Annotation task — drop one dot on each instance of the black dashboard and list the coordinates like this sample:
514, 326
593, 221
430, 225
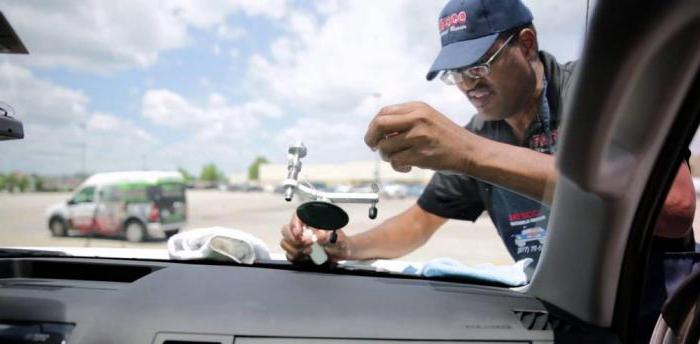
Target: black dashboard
130, 301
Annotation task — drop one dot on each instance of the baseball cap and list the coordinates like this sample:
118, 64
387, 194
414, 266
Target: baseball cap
469, 27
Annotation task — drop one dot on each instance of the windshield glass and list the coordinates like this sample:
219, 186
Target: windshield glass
147, 119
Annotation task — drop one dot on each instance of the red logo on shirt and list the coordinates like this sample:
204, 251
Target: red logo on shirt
543, 140
524, 215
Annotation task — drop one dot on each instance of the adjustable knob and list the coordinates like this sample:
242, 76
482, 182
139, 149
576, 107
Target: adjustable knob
373, 212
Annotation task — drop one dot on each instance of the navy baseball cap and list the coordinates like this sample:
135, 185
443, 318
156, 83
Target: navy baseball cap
469, 27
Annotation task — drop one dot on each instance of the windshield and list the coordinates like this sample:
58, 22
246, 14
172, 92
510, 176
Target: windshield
215, 94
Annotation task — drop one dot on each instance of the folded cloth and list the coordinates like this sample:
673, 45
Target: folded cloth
219, 243
510, 275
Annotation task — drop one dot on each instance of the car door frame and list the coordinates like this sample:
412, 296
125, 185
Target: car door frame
638, 100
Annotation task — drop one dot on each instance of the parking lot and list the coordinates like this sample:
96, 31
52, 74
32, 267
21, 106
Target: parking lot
23, 223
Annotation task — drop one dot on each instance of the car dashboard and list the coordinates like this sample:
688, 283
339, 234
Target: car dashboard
89, 300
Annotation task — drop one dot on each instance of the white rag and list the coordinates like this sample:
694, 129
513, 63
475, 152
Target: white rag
218, 243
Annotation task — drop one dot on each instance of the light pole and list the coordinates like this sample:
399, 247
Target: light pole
377, 161
83, 127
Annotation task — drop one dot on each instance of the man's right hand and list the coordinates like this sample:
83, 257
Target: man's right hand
297, 246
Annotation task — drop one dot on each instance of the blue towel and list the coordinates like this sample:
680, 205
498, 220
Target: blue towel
510, 275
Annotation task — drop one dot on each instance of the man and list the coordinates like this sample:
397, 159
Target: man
502, 163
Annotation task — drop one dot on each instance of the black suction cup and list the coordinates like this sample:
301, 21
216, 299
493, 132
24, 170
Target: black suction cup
322, 215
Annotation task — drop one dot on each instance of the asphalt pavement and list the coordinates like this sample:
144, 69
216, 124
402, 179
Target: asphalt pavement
23, 223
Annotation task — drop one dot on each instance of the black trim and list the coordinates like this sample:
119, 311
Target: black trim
636, 256
682, 303
9, 41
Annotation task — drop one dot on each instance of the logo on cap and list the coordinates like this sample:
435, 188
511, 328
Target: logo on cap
453, 22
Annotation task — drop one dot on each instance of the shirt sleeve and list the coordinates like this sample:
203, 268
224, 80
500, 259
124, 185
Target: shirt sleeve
453, 196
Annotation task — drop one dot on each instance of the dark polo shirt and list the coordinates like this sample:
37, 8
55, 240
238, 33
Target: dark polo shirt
521, 222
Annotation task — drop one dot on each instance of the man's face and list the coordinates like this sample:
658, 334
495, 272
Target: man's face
509, 87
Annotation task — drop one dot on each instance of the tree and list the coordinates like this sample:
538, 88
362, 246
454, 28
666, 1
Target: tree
10, 182
254, 168
23, 183
38, 182
210, 173
185, 175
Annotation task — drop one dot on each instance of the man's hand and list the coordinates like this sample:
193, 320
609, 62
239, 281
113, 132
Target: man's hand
340, 250
415, 134
298, 246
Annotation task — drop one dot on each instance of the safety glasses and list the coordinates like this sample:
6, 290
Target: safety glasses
456, 76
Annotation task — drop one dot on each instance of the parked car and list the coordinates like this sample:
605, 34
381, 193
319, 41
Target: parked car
342, 188
394, 191
135, 205
365, 187
415, 190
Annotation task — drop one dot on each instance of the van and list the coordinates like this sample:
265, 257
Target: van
134, 205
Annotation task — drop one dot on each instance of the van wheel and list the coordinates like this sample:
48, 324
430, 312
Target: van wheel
170, 233
134, 231
58, 228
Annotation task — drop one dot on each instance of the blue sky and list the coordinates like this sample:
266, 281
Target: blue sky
161, 84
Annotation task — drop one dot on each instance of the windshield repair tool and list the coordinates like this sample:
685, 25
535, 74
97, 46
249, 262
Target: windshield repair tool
322, 212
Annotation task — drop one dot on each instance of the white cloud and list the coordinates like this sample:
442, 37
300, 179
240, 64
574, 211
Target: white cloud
103, 143
262, 108
38, 100
102, 123
167, 108
97, 36
325, 70
341, 140
60, 130
234, 53
228, 33
560, 26
329, 69
216, 120
103, 36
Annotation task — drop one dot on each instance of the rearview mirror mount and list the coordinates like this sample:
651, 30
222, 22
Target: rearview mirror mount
10, 127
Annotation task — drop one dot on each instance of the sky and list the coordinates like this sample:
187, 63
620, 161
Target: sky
127, 85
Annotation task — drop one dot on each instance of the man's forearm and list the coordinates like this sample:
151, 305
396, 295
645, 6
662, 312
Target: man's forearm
384, 242
676, 217
519, 169
396, 236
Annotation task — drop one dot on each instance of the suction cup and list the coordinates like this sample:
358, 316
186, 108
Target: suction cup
322, 215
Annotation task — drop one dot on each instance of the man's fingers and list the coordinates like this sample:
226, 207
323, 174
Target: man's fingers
334, 252
400, 145
383, 126
293, 245
323, 237
397, 109
403, 160
393, 144
296, 227
401, 168
289, 236
297, 259
295, 251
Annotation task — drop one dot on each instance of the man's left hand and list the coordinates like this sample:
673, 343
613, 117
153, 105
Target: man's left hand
415, 134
